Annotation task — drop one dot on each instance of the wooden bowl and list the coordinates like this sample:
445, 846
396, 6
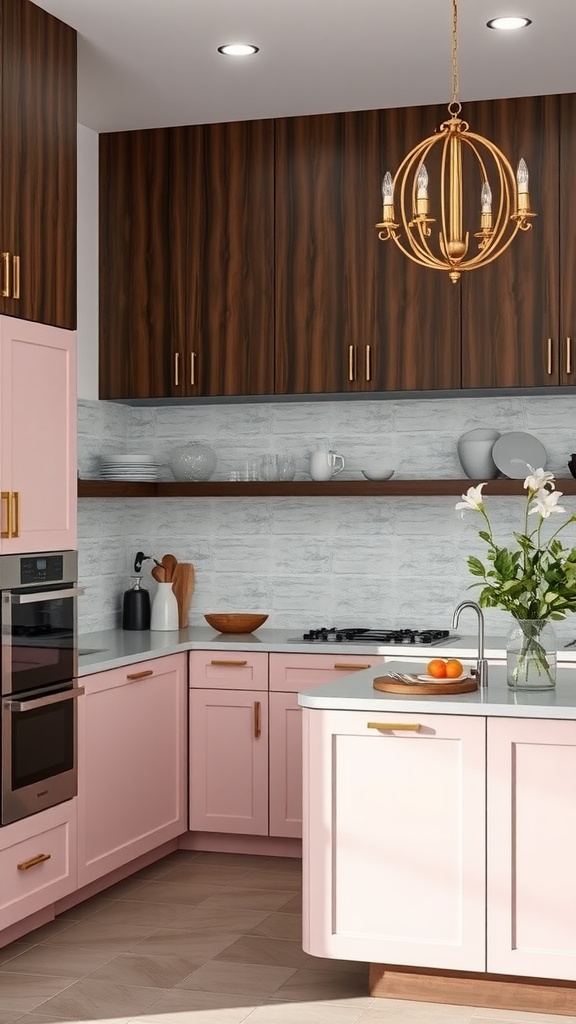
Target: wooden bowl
235, 622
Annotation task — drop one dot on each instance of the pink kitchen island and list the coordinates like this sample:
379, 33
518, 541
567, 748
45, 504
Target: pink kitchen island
439, 839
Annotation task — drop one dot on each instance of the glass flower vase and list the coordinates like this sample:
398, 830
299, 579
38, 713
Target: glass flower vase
531, 655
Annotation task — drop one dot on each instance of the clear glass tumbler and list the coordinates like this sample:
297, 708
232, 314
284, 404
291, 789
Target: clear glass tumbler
285, 467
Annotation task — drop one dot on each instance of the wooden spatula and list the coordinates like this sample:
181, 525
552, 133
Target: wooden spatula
169, 562
159, 573
183, 585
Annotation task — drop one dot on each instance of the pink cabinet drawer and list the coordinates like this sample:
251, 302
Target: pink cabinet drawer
228, 670
293, 672
37, 862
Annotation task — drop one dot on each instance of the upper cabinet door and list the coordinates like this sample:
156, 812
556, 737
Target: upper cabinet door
567, 329
229, 348
326, 250
510, 308
418, 309
38, 166
351, 313
143, 251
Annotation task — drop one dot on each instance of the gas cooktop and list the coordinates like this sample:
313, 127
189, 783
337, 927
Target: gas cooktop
334, 634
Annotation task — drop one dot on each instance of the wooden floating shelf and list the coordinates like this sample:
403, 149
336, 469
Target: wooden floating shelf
302, 488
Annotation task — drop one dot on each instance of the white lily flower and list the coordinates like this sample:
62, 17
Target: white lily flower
472, 498
538, 479
545, 503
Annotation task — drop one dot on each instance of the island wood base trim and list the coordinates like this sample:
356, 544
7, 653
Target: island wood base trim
536, 995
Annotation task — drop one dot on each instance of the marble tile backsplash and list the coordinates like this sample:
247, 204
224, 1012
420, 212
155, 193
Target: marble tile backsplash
309, 561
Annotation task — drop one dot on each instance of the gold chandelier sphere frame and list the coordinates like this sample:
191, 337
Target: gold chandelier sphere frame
447, 247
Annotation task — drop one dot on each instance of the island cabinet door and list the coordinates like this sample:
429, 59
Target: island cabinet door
394, 838
531, 836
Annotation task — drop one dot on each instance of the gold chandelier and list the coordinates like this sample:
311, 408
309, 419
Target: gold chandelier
448, 247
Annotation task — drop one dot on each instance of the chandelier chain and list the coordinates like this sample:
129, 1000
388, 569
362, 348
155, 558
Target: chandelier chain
455, 83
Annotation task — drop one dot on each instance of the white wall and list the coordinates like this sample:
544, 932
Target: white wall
87, 263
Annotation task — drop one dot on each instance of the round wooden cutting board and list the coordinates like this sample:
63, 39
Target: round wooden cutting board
417, 689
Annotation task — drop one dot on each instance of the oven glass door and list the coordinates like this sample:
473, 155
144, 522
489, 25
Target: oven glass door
39, 767
38, 637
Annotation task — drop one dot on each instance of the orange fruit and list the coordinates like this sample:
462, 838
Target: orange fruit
437, 668
454, 668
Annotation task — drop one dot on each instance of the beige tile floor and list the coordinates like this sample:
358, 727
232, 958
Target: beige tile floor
203, 938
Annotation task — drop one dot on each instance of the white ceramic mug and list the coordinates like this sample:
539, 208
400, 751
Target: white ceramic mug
325, 465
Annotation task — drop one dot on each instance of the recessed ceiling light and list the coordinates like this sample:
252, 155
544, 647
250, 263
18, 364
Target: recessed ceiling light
238, 49
507, 24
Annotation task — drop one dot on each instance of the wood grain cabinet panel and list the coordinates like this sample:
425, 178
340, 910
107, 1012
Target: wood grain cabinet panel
186, 261
352, 314
510, 308
38, 165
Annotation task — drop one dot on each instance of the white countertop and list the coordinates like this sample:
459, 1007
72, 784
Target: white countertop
356, 693
117, 647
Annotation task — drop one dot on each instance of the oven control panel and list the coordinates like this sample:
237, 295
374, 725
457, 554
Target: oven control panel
41, 569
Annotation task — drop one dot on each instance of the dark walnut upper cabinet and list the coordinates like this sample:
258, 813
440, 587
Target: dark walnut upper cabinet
187, 261
510, 308
37, 166
349, 316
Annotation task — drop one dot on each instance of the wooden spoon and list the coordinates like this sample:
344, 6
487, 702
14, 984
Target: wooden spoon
169, 562
159, 573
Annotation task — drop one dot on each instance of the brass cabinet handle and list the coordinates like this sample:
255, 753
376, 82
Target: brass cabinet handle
16, 285
6, 274
549, 360
193, 368
350, 362
257, 721
568, 355
39, 859
351, 668
176, 369
223, 662
368, 362
16, 515
141, 675
7, 497
396, 726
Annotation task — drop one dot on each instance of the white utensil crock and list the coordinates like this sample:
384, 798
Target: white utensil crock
164, 608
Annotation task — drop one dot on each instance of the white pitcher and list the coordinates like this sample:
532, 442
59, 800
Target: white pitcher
324, 465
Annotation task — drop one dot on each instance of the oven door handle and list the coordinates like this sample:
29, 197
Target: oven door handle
49, 595
42, 702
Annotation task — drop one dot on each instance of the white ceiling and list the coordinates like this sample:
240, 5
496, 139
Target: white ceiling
150, 63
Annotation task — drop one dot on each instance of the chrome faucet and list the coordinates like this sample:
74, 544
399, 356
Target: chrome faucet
481, 670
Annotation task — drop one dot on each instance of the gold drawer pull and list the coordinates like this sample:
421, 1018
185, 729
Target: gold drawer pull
549, 360
16, 268
16, 514
257, 721
176, 369
6, 275
351, 362
368, 362
193, 369
7, 497
39, 859
239, 664
396, 726
141, 675
352, 668
568, 355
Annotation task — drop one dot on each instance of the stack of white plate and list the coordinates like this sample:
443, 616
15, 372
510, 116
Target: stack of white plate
129, 467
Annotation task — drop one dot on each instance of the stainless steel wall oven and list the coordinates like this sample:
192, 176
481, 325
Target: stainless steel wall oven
39, 688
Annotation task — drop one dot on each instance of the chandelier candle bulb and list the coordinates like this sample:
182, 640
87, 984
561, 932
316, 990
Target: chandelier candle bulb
522, 181
388, 198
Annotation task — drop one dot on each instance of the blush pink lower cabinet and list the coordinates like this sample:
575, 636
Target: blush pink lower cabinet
37, 437
532, 848
229, 742
394, 838
132, 773
290, 673
38, 863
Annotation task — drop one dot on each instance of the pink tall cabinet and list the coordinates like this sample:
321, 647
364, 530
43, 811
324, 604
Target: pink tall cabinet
37, 437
